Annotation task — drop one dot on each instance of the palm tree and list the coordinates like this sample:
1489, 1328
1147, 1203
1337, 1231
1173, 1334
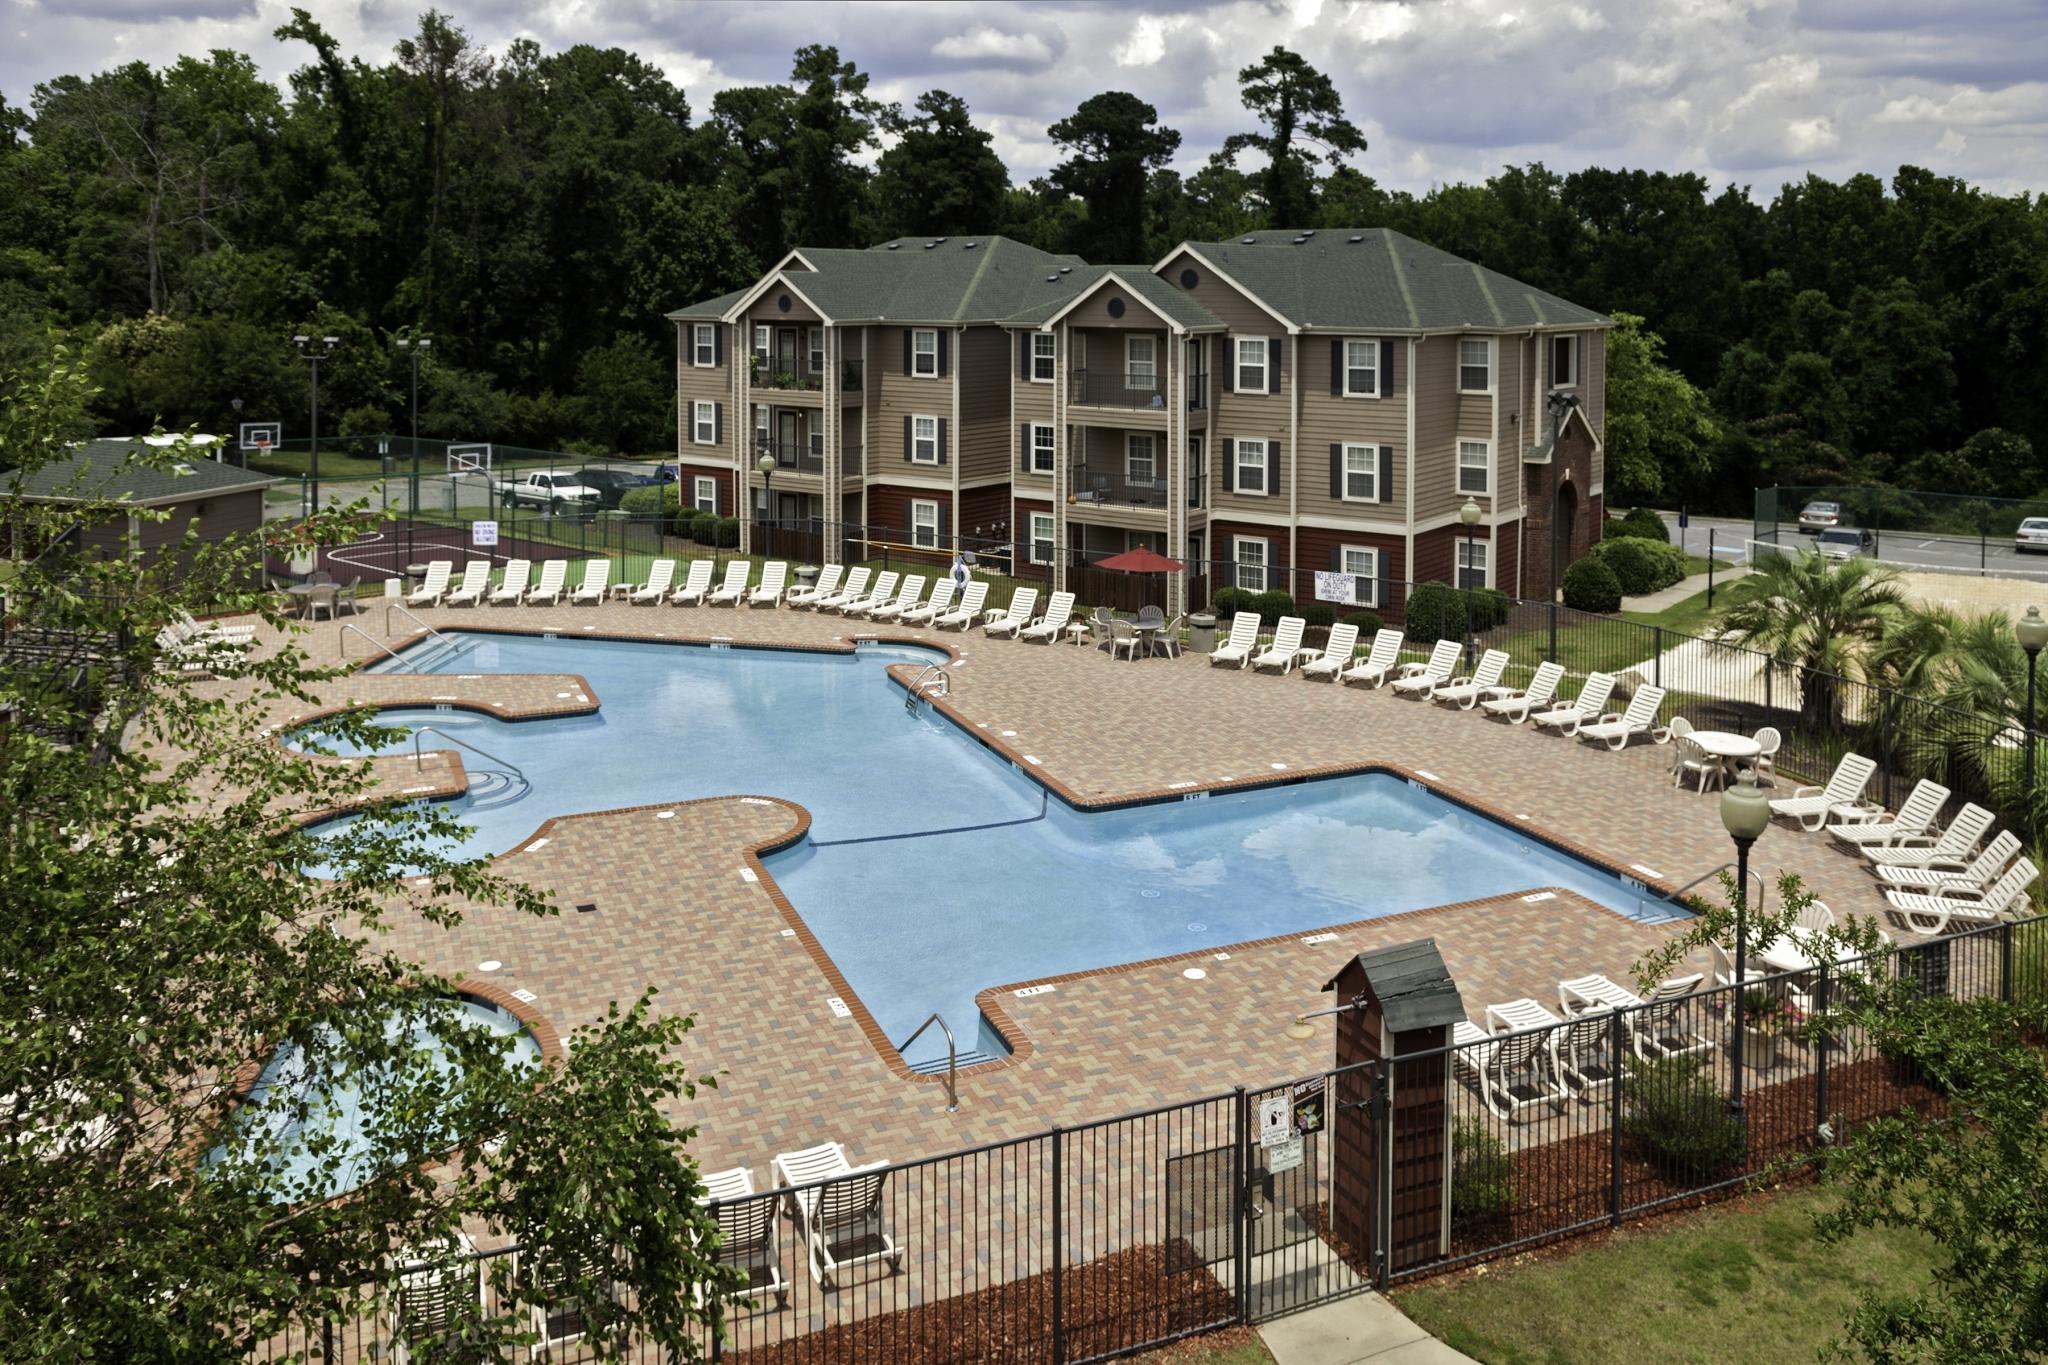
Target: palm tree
1821, 617
1961, 685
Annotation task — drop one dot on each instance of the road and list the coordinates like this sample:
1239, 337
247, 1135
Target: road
1947, 554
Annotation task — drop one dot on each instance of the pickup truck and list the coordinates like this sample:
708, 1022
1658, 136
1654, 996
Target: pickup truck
549, 491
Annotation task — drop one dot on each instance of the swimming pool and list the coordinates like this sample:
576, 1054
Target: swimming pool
934, 868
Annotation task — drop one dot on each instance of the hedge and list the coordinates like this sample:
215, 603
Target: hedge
1589, 585
1640, 565
1640, 523
1437, 611
1272, 605
1367, 622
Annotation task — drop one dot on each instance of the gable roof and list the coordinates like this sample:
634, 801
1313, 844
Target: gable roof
1156, 294
710, 310
932, 280
107, 469
1376, 278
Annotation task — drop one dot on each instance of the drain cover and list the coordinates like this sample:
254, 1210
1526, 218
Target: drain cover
1150, 893
1196, 926
587, 908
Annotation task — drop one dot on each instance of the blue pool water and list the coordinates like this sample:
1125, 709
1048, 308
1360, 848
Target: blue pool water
920, 911
287, 1105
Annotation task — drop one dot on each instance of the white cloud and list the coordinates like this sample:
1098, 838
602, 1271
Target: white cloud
984, 44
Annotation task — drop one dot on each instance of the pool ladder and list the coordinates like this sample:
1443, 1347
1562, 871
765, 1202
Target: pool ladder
931, 681
425, 730
952, 1058
1753, 907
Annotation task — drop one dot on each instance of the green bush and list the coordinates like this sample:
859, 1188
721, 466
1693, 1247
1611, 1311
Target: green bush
702, 527
728, 532
1589, 585
1366, 621
1641, 566
1482, 1173
1490, 607
1640, 523
1437, 611
656, 500
1318, 614
1679, 1118
1273, 605
1230, 601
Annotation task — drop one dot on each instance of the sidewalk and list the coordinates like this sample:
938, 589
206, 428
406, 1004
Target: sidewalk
1682, 589
1347, 1331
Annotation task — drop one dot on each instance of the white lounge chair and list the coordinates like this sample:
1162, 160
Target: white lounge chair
841, 1215
940, 602
660, 576
729, 592
1929, 912
556, 1315
1616, 729
1953, 845
1378, 664
1974, 873
773, 575
1475, 1052
1286, 640
435, 1297
907, 594
1016, 616
1592, 700
553, 573
1916, 816
1337, 652
1465, 693
826, 586
1811, 806
434, 586
855, 589
1524, 1074
512, 586
1662, 1027
880, 595
1244, 638
969, 610
1587, 1063
1058, 612
746, 1235
696, 584
1516, 706
1420, 680
597, 581
476, 580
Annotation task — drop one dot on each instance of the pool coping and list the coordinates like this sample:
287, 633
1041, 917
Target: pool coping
989, 999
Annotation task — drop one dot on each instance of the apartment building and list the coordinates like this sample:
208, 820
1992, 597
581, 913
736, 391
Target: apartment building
1310, 411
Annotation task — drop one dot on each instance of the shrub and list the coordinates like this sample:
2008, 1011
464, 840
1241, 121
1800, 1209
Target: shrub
1641, 566
1677, 1114
1366, 621
654, 500
1589, 585
1482, 1173
1640, 523
1437, 611
1230, 601
1489, 608
1318, 614
727, 530
1273, 605
702, 527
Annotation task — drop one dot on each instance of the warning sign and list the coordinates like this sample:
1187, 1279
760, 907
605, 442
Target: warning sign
483, 533
1284, 1156
1308, 1105
1276, 1120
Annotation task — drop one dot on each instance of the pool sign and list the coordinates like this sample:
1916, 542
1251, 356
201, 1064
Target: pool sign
1276, 1121
1308, 1105
1337, 587
1284, 1156
483, 533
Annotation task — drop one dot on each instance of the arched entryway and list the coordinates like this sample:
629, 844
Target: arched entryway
1567, 521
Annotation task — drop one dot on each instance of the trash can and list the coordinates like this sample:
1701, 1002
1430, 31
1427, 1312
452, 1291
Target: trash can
1202, 632
806, 575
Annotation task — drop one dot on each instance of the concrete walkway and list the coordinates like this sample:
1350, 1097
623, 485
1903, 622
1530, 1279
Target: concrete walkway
1679, 591
1364, 1327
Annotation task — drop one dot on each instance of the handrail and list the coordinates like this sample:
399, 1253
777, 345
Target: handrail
399, 607
343, 634
436, 730
1762, 889
952, 1058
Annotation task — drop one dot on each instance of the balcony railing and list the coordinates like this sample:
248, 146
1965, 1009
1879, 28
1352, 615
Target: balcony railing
849, 458
769, 374
1117, 388
1112, 485
851, 375
790, 455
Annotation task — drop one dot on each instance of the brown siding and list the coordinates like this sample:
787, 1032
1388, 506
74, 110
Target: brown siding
1593, 361
702, 471
1315, 546
1327, 420
768, 309
1094, 312
1020, 523
984, 514
1507, 456
1436, 419
1507, 573
1235, 414
889, 512
1220, 537
986, 443
1033, 400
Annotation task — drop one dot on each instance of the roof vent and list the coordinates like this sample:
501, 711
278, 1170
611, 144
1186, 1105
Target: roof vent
1356, 237
970, 246
1066, 270
894, 245
938, 240
182, 468
1052, 279
1249, 240
928, 246
1308, 232
1299, 240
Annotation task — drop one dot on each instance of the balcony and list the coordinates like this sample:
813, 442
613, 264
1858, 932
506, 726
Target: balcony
851, 375
771, 375
790, 455
849, 457
1111, 485
1117, 388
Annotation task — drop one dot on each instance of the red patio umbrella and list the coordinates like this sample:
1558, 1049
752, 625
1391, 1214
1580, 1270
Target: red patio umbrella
1140, 560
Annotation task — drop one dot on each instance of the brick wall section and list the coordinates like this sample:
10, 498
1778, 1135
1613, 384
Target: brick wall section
987, 507
1575, 453
1020, 537
1507, 549
693, 472
1316, 545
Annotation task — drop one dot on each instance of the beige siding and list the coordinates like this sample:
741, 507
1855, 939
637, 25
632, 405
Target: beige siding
1507, 454
1253, 414
985, 367
1326, 420
1593, 360
1094, 312
1436, 422
1033, 400
894, 395
768, 308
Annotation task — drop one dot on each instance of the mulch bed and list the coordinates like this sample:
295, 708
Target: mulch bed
1123, 1300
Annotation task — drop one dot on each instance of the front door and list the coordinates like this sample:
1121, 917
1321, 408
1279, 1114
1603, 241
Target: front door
785, 350
786, 439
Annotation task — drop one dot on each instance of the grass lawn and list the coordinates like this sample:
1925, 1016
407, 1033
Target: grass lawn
1735, 1284
1234, 1346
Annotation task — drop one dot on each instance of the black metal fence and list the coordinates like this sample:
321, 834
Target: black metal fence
1083, 1243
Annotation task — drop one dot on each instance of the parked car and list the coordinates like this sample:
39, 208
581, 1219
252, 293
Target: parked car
1844, 542
2032, 536
612, 484
548, 491
1816, 517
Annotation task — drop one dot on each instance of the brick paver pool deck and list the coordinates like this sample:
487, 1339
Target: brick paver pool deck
677, 909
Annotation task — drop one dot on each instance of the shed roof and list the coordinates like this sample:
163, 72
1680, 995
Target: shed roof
1412, 984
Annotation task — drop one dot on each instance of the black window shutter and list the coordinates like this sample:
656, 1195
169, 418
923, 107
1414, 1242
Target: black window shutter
1336, 559
1386, 367
909, 445
718, 343
1385, 481
1336, 470
1229, 466
942, 421
1336, 367
1276, 568
1025, 341
942, 523
1229, 367
942, 353
718, 423
1024, 448
1273, 365
1273, 469
906, 350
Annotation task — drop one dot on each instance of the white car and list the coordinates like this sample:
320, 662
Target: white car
1818, 516
1843, 542
2032, 536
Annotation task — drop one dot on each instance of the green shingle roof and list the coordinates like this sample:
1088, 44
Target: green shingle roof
1377, 278
107, 469
922, 279
1155, 293
710, 310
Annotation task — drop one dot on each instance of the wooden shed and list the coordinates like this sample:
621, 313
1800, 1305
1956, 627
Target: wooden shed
219, 499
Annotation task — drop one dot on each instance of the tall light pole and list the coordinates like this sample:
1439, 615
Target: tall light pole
2033, 633
766, 464
1469, 514
313, 353
414, 348
1559, 404
1746, 814
241, 456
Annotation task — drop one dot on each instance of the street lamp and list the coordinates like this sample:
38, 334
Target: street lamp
1559, 404
1746, 813
766, 464
1469, 514
2033, 633
313, 354
414, 348
1301, 1030
242, 458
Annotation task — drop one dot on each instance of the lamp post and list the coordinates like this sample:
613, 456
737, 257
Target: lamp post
1558, 404
766, 464
414, 348
241, 457
313, 353
2033, 633
1746, 813
1301, 1030
1469, 514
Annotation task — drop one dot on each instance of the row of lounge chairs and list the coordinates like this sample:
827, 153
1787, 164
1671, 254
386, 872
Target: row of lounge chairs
1526, 1056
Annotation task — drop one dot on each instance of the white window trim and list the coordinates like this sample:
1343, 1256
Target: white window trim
703, 346
1052, 458
1032, 538
817, 350
1050, 357
1372, 571
704, 489
1237, 548
918, 505
1461, 565
1485, 470
1373, 391
916, 437
1131, 364
703, 418
764, 343
1492, 364
1265, 466
1573, 381
1237, 345
1372, 460
917, 357
1152, 457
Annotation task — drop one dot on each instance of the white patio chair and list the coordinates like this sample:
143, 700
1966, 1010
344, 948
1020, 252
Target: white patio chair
696, 584
1473, 1052
1962, 874
1421, 680
1591, 701
1058, 611
907, 594
660, 576
746, 1235
855, 604
1124, 638
1243, 639
1930, 912
1690, 760
434, 1298
1017, 616
1465, 693
1616, 729
553, 573
1286, 641
512, 586
1811, 806
1524, 1074
773, 575
476, 580
733, 590
597, 581
434, 586
1661, 1028
1378, 664
969, 610
1953, 846
1166, 639
826, 586
1337, 653
1916, 816
1768, 742
937, 605
852, 590
1516, 706
1586, 1060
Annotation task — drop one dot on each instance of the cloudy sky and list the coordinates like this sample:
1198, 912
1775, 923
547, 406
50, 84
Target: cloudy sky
1750, 91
